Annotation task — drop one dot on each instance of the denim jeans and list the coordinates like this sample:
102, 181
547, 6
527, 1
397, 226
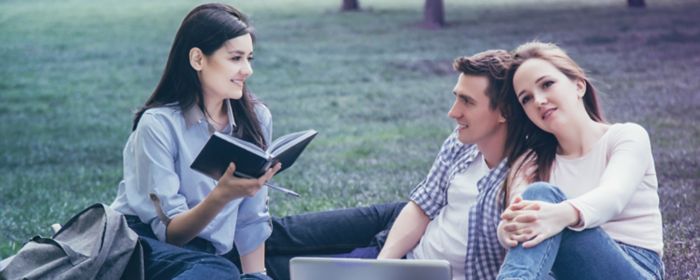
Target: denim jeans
349, 233
587, 254
195, 260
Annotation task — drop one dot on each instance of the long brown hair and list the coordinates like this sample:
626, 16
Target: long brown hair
206, 27
543, 145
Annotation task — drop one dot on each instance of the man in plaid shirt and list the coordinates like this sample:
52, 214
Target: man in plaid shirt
452, 214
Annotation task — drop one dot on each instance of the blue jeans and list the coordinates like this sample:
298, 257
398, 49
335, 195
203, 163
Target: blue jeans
587, 254
195, 260
348, 233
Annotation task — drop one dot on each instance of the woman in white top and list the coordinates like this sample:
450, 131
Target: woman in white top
583, 201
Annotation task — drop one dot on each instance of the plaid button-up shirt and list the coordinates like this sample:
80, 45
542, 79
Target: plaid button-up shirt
484, 254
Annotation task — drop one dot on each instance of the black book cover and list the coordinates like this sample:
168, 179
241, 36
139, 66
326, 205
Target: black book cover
251, 161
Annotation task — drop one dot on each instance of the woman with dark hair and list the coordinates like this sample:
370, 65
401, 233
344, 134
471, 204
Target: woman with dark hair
583, 200
185, 219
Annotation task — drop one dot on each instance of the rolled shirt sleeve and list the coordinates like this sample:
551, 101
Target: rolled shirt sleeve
154, 172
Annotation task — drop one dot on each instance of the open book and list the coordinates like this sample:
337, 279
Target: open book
250, 160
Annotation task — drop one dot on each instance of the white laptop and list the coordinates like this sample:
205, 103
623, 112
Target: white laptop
311, 268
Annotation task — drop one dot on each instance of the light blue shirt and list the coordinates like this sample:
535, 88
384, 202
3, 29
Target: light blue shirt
157, 159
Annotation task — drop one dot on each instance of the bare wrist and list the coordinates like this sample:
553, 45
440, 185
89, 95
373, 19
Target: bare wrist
574, 216
216, 198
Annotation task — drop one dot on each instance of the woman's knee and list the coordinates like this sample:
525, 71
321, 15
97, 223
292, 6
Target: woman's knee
543, 191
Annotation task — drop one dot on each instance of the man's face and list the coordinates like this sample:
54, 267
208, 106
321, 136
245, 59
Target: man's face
477, 122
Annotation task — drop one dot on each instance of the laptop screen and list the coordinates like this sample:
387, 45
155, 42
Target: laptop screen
310, 268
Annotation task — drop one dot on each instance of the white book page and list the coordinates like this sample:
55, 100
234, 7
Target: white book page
285, 142
243, 144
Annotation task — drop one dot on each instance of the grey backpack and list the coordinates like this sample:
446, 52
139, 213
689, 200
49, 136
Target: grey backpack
94, 244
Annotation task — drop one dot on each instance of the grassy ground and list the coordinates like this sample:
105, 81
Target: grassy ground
375, 86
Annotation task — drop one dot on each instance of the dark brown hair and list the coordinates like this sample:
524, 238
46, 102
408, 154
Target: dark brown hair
494, 65
543, 145
491, 64
206, 27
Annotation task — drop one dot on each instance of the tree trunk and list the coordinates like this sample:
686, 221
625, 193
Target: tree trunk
350, 5
636, 3
434, 14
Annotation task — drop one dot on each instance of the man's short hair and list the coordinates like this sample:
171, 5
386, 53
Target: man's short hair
492, 64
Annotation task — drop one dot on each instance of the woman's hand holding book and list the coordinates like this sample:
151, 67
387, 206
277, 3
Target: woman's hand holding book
231, 187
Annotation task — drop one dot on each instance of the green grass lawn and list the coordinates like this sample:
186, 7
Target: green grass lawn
375, 86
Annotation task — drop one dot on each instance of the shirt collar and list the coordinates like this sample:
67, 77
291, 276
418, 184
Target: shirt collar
472, 151
195, 116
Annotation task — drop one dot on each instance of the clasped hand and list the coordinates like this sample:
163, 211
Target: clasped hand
231, 187
531, 222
